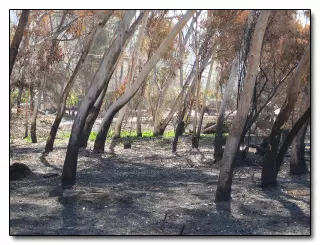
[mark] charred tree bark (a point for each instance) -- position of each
(269, 173)
(298, 164)
(294, 131)
(93, 114)
(223, 192)
(17, 38)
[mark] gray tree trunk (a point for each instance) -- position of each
(204, 101)
(115, 107)
(135, 58)
(33, 127)
(102, 76)
(223, 192)
(218, 140)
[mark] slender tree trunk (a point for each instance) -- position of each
(115, 107)
(294, 131)
(17, 38)
(33, 127)
(181, 60)
(195, 142)
(218, 139)
(100, 80)
(68, 87)
(269, 172)
(135, 58)
(32, 94)
(139, 131)
(139, 110)
(180, 120)
(183, 110)
(92, 117)
(27, 115)
(223, 192)
(160, 107)
(19, 98)
(204, 101)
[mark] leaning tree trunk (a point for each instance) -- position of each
(68, 87)
(218, 139)
(139, 110)
(127, 96)
(175, 105)
(298, 165)
(102, 76)
(93, 115)
(204, 101)
(223, 192)
(17, 38)
(160, 107)
(181, 114)
(294, 131)
(269, 173)
(297, 129)
(33, 127)
(135, 58)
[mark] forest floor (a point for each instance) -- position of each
(147, 190)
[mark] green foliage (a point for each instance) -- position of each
(64, 135)
(168, 134)
(73, 99)
(92, 136)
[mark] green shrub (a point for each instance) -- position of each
(27, 139)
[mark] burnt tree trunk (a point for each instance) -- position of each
(93, 114)
(269, 171)
(223, 192)
(298, 164)
(296, 128)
